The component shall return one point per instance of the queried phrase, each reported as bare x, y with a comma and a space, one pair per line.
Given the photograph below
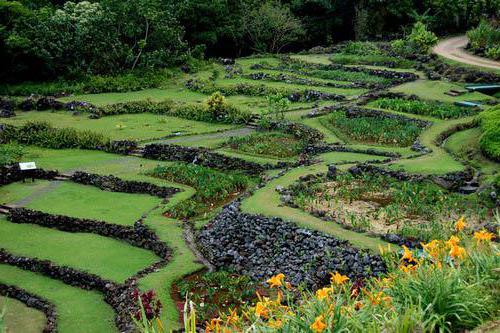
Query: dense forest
45, 39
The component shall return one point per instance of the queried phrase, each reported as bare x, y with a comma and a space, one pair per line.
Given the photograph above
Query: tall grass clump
490, 139
425, 108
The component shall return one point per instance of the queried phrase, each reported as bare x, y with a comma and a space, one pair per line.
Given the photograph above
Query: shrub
42, 134
484, 39
490, 139
425, 108
360, 48
375, 130
10, 153
419, 41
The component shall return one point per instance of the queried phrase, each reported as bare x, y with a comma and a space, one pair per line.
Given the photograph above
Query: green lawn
21, 318
322, 59
106, 257
72, 199
122, 127
435, 90
79, 311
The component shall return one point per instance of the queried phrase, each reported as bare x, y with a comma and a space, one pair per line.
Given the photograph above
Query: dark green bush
10, 153
490, 140
42, 134
485, 40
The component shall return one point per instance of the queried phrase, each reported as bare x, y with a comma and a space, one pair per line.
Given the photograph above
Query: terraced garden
297, 164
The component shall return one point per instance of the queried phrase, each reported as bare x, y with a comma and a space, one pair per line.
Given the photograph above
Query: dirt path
453, 48
49, 187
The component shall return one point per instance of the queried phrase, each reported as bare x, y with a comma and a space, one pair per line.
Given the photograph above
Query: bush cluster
490, 140
10, 153
419, 42
485, 40
271, 144
425, 108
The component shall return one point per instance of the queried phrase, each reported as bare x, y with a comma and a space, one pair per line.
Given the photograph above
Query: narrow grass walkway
79, 311
106, 257
266, 201
21, 318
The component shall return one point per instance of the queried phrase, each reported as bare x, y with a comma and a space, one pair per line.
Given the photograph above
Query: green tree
271, 26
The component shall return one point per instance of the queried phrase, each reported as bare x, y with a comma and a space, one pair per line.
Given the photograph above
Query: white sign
27, 166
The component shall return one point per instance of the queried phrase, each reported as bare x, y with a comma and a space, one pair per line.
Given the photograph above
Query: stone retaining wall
259, 247
35, 302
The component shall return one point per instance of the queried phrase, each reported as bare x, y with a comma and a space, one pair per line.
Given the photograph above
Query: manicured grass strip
316, 123
266, 201
111, 259
434, 90
438, 161
346, 157
253, 158
183, 261
121, 127
21, 318
85, 201
79, 311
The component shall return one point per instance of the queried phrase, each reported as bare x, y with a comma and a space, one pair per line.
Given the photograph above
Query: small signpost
28, 170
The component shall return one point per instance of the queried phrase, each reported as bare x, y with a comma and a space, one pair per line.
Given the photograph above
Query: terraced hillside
135, 190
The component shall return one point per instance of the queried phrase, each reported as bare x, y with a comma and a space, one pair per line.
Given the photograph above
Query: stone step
468, 189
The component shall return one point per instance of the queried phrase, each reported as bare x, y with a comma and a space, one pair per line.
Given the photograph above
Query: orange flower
319, 325
378, 298
483, 236
232, 317
275, 323
457, 252
261, 309
358, 305
432, 248
453, 241
323, 293
277, 280
407, 255
460, 225
407, 268
214, 325
338, 279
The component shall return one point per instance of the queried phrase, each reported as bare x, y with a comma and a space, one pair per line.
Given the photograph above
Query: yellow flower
460, 225
407, 255
453, 241
275, 323
483, 235
232, 317
261, 309
338, 279
214, 325
457, 252
323, 293
277, 280
407, 268
319, 325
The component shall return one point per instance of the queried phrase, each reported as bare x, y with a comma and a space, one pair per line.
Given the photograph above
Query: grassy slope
17, 314
79, 311
106, 257
434, 90
121, 127
266, 201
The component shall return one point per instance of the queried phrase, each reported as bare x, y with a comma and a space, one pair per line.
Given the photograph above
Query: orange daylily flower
338, 279
483, 236
277, 280
432, 248
232, 318
261, 309
378, 298
457, 252
275, 323
407, 268
319, 325
407, 255
323, 293
453, 241
213, 326
460, 225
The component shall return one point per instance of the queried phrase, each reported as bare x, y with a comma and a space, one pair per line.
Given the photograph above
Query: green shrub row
425, 108
490, 140
44, 135
373, 59
375, 130
209, 87
485, 40
10, 153
340, 75
91, 84
212, 186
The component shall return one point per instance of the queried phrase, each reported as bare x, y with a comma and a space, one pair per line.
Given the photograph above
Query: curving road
453, 48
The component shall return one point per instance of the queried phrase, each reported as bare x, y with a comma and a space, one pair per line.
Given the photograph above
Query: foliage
419, 41
490, 140
217, 291
484, 39
212, 186
444, 288
44, 135
348, 76
361, 48
425, 108
373, 59
375, 130
278, 105
271, 144
10, 153
271, 26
